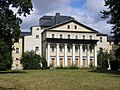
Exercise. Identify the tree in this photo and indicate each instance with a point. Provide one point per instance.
(31, 60)
(113, 13)
(103, 58)
(10, 28)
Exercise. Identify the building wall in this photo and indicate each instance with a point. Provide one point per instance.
(33, 41)
(16, 54)
(72, 35)
(104, 44)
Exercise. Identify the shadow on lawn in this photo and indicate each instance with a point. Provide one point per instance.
(106, 71)
(2, 88)
(11, 72)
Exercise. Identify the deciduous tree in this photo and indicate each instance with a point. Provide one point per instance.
(10, 27)
(113, 14)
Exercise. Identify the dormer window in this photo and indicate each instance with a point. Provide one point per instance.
(75, 27)
(68, 26)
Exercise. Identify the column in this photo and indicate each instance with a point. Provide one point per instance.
(57, 56)
(65, 55)
(48, 54)
(88, 55)
(81, 56)
(95, 55)
(73, 54)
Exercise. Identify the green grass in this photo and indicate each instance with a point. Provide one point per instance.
(59, 79)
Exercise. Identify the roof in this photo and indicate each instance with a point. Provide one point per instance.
(101, 34)
(25, 33)
(111, 38)
(49, 21)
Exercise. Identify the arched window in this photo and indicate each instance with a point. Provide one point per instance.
(68, 26)
(75, 27)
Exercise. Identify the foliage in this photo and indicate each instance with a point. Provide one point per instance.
(103, 57)
(91, 66)
(9, 27)
(44, 63)
(113, 13)
(114, 17)
(30, 60)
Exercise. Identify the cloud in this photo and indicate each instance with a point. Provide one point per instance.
(89, 14)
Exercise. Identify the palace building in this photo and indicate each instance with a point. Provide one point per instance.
(63, 41)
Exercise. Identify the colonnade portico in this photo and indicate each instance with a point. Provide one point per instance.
(73, 57)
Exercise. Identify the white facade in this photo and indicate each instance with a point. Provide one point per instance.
(66, 44)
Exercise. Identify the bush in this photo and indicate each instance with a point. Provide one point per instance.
(91, 66)
(114, 65)
(30, 60)
(44, 63)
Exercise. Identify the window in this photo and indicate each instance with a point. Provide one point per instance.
(68, 26)
(37, 36)
(61, 36)
(83, 48)
(83, 36)
(60, 48)
(53, 35)
(76, 48)
(76, 36)
(91, 48)
(90, 37)
(75, 27)
(68, 48)
(68, 36)
(37, 28)
(52, 48)
(101, 39)
(17, 59)
(36, 48)
(17, 50)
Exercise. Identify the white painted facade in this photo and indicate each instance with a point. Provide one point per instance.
(63, 46)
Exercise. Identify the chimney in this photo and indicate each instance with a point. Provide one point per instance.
(57, 14)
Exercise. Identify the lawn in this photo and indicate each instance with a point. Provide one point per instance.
(59, 79)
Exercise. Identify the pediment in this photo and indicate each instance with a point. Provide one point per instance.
(72, 25)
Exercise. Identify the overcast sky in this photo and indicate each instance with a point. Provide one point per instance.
(84, 11)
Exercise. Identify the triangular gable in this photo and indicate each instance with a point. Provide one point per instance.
(72, 23)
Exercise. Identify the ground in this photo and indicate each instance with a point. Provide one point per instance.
(59, 79)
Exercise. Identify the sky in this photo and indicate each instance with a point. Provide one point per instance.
(84, 11)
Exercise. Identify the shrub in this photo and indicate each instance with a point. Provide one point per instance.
(30, 60)
(44, 63)
(91, 66)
